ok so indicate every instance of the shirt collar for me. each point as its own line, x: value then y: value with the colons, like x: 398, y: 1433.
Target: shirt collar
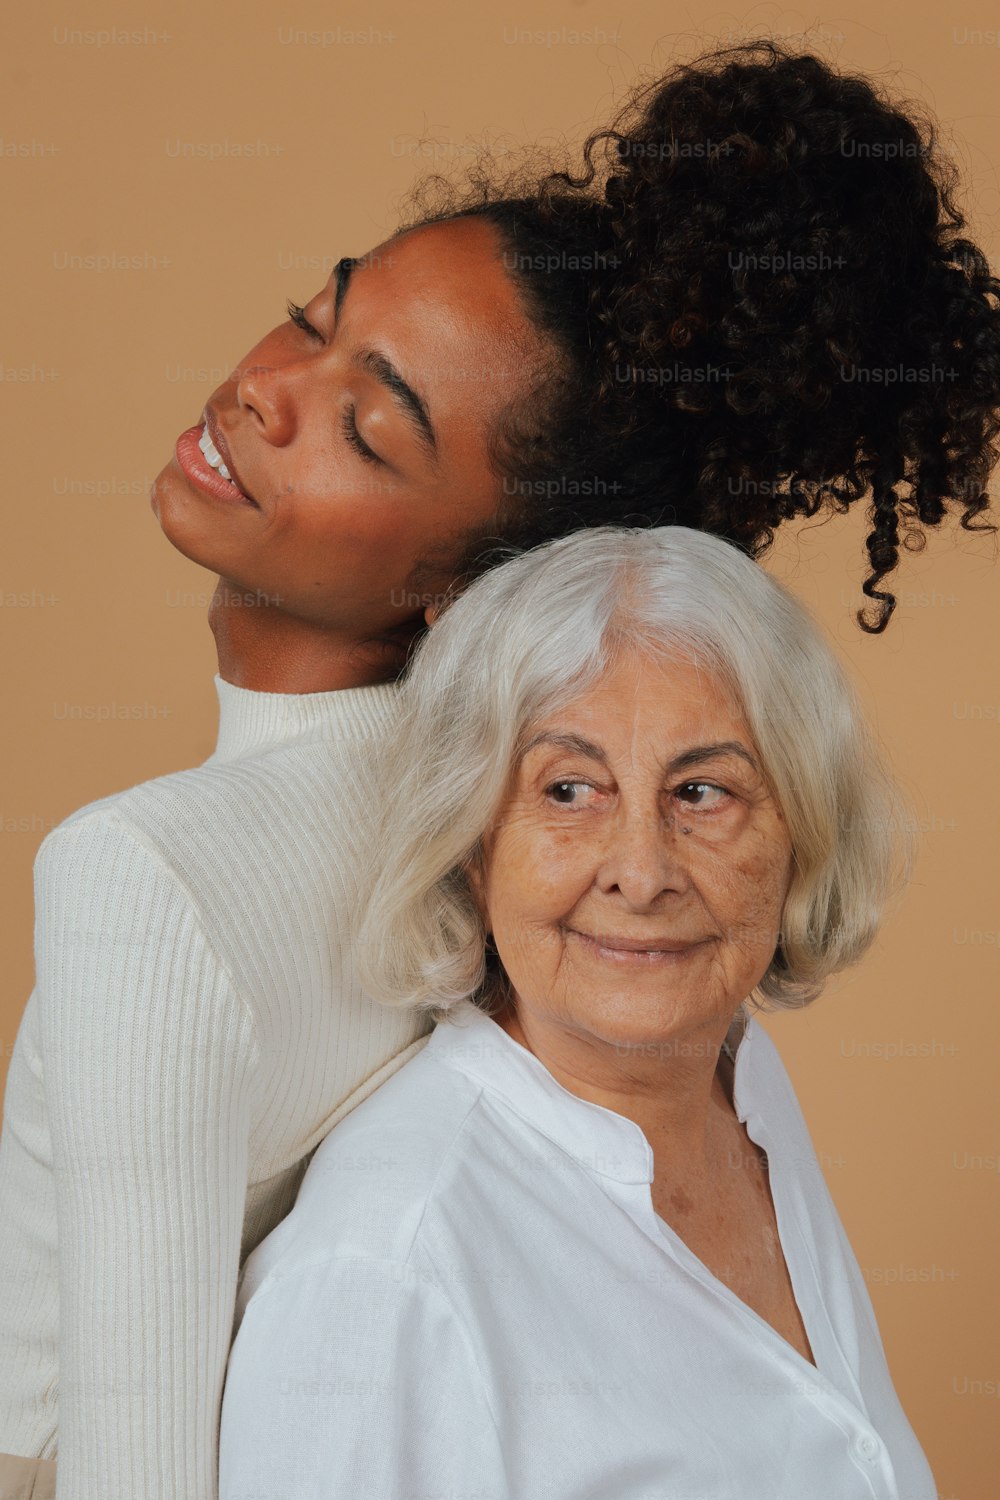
x: 600, y: 1139
x: 251, y: 722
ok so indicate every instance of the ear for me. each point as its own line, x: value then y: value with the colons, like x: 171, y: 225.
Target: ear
x: 431, y: 613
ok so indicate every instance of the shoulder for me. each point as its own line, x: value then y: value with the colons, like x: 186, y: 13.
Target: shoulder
x: 99, y: 837
x: 116, y: 914
x: 372, y: 1184
x: 229, y: 813
x: 156, y: 827
x: 122, y: 814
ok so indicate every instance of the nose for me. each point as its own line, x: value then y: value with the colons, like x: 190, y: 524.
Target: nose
x: 644, y: 855
x: 267, y: 394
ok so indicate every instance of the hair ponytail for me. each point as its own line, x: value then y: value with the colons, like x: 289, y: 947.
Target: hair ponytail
x: 758, y: 304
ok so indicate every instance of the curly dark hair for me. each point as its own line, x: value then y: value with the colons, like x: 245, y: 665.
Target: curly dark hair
x: 758, y: 304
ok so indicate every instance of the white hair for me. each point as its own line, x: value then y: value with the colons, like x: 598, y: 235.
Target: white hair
x: 535, y: 632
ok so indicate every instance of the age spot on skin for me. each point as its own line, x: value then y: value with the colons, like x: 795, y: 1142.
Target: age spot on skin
x: 680, y: 1201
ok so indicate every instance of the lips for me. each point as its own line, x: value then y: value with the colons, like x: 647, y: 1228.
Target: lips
x: 218, y: 438
x: 635, y: 945
x: 627, y: 950
x: 198, y: 471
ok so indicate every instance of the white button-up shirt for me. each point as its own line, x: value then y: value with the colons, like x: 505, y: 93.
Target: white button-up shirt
x: 473, y: 1299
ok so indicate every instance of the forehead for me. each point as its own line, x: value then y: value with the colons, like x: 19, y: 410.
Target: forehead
x: 440, y: 303
x: 662, y: 698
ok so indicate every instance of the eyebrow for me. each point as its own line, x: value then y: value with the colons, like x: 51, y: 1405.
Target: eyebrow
x: 691, y: 757
x: 412, y: 406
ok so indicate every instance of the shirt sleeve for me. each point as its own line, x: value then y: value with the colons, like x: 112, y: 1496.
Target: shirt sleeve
x: 148, y: 1056
x: 29, y: 1301
x: 355, y: 1378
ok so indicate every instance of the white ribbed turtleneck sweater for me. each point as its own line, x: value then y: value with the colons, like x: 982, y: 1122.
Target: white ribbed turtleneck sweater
x: 195, y: 1031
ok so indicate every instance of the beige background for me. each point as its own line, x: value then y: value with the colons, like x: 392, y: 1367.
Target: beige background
x: 237, y: 151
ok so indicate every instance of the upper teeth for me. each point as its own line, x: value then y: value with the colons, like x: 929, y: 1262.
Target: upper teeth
x: 213, y: 456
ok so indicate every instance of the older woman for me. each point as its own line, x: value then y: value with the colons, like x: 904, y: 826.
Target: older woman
x: 580, y: 1244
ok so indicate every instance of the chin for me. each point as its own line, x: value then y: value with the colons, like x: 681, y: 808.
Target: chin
x: 187, y: 526
x: 631, y: 1018
x: 178, y: 530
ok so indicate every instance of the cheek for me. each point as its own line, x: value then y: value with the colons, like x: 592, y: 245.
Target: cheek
x: 745, y: 887
x: 536, y: 874
x: 336, y: 537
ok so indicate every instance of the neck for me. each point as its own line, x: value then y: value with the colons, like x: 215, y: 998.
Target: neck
x: 264, y: 648
x: 677, y: 1090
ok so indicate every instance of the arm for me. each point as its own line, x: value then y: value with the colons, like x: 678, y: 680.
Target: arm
x: 353, y: 1379
x: 148, y: 1057
x: 29, y: 1262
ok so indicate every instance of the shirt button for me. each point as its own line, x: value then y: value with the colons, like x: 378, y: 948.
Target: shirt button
x: 867, y: 1446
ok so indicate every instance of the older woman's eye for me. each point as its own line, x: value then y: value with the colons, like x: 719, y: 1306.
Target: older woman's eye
x: 704, y: 786
x: 557, y: 790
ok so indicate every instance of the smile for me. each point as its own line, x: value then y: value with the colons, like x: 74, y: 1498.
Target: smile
x: 625, y: 951
x: 213, y: 456
x: 201, y: 463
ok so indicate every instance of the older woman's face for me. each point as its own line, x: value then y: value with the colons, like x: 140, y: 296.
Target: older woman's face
x: 638, y: 819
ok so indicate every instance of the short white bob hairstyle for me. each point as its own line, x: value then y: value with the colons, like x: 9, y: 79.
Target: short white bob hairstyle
x: 535, y: 632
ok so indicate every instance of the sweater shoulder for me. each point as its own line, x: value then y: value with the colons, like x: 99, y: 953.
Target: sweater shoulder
x: 114, y: 819
x: 228, y: 803
x: 173, y: 787
x: 226, y: 781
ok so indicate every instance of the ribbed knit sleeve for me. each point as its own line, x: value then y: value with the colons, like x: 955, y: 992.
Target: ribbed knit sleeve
x: 149, y: 1075
x: 29, y: 1266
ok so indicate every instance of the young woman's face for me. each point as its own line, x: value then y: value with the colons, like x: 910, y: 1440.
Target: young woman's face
x: 360, y: 449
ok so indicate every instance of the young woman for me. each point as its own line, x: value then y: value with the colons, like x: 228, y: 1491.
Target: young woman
x: 697, y: 330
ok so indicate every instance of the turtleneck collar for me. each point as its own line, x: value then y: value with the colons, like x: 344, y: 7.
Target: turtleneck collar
x: 250, y: 721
